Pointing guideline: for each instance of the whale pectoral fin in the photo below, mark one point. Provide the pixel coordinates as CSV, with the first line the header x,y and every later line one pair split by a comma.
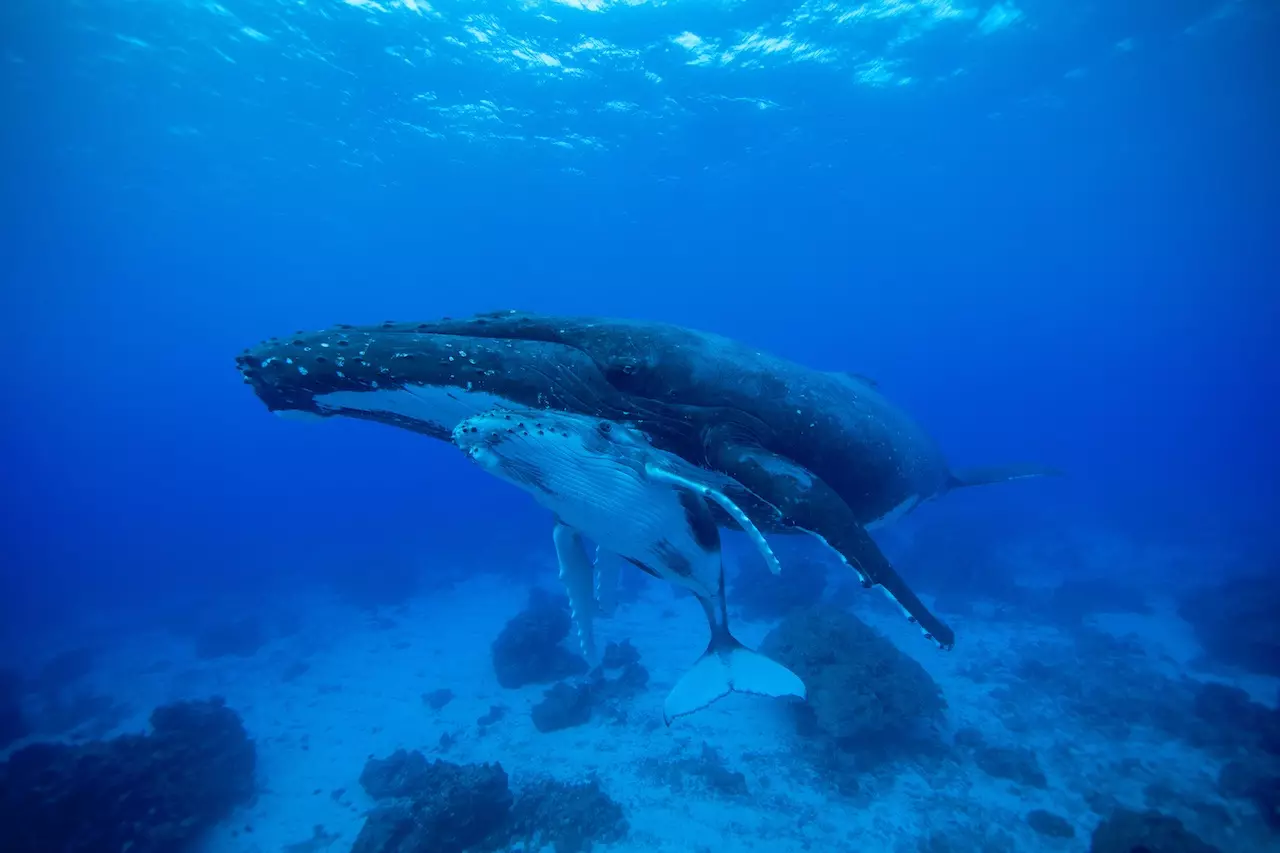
x,y
608,565
998,474
859,550
578,576
806,502
711,489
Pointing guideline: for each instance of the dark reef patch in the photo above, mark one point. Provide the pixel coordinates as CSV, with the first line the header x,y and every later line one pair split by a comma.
x,y
864,694
563,706
569,704
1049,824
1015,763
1235,620
529,650
449,808
1128,831
437,806
13,720
571,817
708,772
619,655
1257,782
154,793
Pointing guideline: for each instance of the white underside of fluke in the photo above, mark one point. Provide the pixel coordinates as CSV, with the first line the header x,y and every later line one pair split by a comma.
x,y
730,670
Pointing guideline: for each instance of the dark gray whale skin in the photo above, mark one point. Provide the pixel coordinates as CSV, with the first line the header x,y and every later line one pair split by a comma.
x,y
824,453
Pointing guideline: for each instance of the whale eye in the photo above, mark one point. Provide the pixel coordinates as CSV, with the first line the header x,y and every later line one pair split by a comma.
x,y
626,374
604,427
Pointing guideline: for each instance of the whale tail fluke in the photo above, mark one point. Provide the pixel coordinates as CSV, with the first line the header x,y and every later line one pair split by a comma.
x,y
729,667
998,474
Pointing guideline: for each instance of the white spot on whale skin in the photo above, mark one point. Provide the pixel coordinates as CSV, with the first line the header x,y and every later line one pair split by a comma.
x,y
442,406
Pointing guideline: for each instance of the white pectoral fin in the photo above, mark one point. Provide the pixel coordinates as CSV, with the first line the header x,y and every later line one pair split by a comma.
x,y
607,569
578,576
735,512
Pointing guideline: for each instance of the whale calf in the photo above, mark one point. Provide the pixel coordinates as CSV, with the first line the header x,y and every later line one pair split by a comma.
x,y
603,480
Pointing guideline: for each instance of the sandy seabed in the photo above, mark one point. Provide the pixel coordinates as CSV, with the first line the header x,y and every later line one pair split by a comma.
x,y
360,695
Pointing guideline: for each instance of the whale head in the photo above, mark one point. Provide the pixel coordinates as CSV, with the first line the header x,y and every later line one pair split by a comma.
x,y
506,441
418,378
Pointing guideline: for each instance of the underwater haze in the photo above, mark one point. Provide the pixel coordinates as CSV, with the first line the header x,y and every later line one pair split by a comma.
x,y
1047,230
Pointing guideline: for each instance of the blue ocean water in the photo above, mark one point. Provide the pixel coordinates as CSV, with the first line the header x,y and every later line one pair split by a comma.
x,y
1047,230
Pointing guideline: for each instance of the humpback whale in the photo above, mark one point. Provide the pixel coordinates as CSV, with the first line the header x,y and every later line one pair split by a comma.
x,y
816,452
603,480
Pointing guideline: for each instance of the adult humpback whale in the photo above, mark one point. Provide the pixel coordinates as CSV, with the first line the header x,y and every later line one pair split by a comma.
x,y
822,453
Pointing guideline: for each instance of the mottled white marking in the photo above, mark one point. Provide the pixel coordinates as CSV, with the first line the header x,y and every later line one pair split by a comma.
x,y
442,406
894,514
780,467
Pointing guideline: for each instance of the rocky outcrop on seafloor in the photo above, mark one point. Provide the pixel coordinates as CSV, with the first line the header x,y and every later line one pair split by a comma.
x,y
1235,621
13,721
618,679
153,793
530,649
862,689
1128,831
1017,764
449,808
